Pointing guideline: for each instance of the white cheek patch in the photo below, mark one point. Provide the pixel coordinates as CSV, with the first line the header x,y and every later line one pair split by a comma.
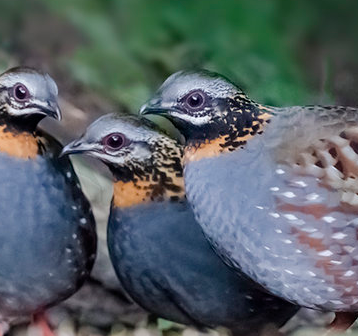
x,y
120,160
195,120
108,158
138,153
18,112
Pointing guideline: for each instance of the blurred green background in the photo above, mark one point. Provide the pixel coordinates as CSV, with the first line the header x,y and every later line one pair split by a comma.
x,y
110,55
281,52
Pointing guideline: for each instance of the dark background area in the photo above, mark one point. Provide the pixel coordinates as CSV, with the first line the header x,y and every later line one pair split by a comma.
x,y
110,55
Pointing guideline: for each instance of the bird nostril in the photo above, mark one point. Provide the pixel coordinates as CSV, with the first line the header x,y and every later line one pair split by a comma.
x,y
150,105
154,101
51,104
76,144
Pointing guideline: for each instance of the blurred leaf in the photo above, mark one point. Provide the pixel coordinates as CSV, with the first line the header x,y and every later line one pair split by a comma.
x,y
164,324
277,51
132,46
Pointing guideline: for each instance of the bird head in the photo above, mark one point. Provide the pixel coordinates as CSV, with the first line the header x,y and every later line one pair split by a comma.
x,y
203,105
128,146
28,95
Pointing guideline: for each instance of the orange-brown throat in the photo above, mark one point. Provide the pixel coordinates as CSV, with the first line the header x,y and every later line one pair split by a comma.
x,y
228,142
18,144
163,180
131,193
159,179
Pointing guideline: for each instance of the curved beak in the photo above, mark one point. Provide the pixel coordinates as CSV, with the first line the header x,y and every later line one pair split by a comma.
x,y
147,109
51,109
75,147
156,106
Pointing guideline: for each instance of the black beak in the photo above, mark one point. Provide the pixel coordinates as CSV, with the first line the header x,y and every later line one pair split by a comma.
x,y
75,147
155,107
152,106
51,110
145,110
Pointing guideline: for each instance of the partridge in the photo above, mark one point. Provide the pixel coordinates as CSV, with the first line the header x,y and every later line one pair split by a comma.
x,y
275,190
47,231
157,249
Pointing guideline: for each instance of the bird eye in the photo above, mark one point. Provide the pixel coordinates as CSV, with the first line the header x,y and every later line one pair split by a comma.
x,y
195,100
21,93
114,141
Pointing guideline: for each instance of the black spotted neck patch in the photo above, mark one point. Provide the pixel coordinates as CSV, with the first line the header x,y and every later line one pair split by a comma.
x,y
235,139
131,193
158,179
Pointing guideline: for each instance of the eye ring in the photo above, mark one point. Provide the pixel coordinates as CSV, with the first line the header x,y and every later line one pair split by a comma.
x,y
20,92
195,100
114,141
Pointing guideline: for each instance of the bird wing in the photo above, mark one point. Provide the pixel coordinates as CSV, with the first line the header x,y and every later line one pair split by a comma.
x,y
321,142
284,208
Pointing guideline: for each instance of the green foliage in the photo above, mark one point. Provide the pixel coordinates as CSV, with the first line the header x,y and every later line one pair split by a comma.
x,y
131,46
280,52
163,324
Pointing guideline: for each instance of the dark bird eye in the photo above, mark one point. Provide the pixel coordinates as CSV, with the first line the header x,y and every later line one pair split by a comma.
x,y
195,100
21,93
114,141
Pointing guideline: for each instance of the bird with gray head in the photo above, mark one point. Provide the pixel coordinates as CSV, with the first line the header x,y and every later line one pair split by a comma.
x,y
47,231
274,189
29,94
157,249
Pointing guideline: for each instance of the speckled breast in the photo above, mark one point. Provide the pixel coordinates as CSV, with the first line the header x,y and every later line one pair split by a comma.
x,y
47,232
285,212
165,263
